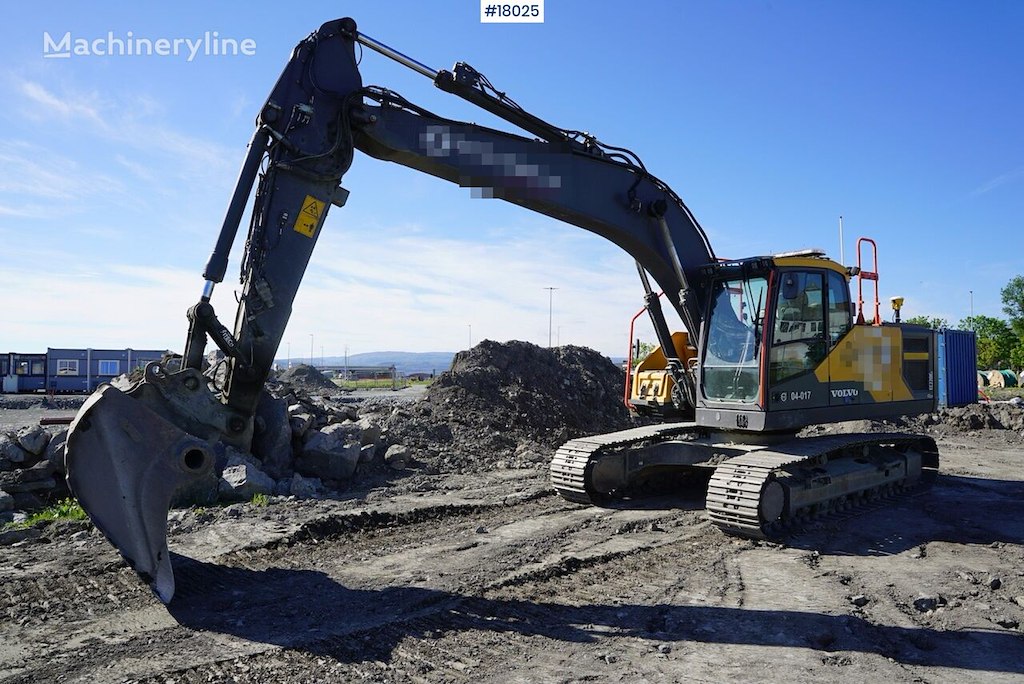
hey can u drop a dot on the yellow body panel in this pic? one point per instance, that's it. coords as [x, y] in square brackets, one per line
[811, 262]
[652, 383]
[871, 355]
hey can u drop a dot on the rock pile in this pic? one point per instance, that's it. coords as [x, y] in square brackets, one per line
[510, 405]
[500, 405]
[304, 445]
[31, 467]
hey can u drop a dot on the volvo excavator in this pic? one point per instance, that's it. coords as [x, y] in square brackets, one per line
[771, 343]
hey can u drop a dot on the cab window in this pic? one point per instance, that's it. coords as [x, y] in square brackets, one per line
[798, 340]
[840, 316]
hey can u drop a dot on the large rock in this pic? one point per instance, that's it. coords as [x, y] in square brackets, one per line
[397, 456]
[305, 487]
[11, 451]
[38, 478]
[299, 421]
[272, 443]
[241, 480]
[55, 451]
[328, 454]
[6, 501]
[371, 431]
[33, 439]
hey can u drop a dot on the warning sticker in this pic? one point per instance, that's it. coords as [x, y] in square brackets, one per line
[309, 217]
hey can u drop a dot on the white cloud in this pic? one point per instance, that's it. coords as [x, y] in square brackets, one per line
[1000, 180]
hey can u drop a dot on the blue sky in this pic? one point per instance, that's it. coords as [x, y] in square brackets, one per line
[770, 119]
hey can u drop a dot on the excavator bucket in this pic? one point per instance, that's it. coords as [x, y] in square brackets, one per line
[124, 463]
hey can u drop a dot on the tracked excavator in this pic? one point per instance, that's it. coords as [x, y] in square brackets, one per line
[771, 343]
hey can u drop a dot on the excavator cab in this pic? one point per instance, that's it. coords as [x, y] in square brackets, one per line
[781, 349]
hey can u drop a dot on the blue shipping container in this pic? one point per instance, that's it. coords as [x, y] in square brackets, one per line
[958, 367]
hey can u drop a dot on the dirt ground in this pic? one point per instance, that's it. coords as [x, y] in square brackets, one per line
[490, 577]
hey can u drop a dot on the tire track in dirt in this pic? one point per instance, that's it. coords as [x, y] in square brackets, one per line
[346, 573]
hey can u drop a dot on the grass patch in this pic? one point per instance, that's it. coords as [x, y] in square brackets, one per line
[1002, 393]
[259, 499]
[66, 509]
[379, 383]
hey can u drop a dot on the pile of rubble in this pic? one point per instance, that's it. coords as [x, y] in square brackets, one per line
[500, 405]
[31, 468]
[510, 405]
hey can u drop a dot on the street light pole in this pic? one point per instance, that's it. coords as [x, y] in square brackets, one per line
[289, 354]
[551, 298]
[470, 336]
[310, 349]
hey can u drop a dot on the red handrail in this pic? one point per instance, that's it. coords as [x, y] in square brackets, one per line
[867, 275]
[629, 357]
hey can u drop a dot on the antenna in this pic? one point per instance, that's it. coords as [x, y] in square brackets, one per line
[842, 258]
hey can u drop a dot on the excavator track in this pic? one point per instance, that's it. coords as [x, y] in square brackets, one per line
[573, 464]
[762, 494]
[766, 490]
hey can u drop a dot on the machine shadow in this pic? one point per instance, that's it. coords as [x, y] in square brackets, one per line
[308, 611]
[955, 509]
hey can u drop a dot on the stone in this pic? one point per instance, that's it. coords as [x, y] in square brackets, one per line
[300, 423]
[994, 583]
[926, 603]
[55, 451]
[272, 443]
[397, 457]
[325, 455]
[860, 600]
[304, 487]
[371, 431]
[6, 502]
[38, 478]
[664, 649]
[33, 439]
[11, 451]
[241, 480]
[1007, 622]
[344, 432]
[1019, 600]
[367, 452]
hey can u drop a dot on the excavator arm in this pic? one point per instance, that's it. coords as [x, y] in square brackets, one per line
[129, 451]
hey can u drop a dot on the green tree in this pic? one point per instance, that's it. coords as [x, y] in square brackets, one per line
[1013, 304]
[996, 340]
[928, 321]
[641, 350]
[1017, 356]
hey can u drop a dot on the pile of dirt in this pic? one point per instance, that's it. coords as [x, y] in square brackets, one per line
[510, 404]
[306, 377]
[988, 416]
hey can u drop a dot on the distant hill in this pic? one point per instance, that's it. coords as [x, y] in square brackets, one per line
[404, 362]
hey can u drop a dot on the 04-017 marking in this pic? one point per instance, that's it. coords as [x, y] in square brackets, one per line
[492, 12]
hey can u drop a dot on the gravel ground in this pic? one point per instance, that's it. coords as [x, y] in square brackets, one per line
[489, 577]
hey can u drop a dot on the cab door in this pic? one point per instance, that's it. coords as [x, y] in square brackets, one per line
[847, 354]
[798, 344]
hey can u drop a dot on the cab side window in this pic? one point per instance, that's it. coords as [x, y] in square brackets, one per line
[840, 316]
[798, 335]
